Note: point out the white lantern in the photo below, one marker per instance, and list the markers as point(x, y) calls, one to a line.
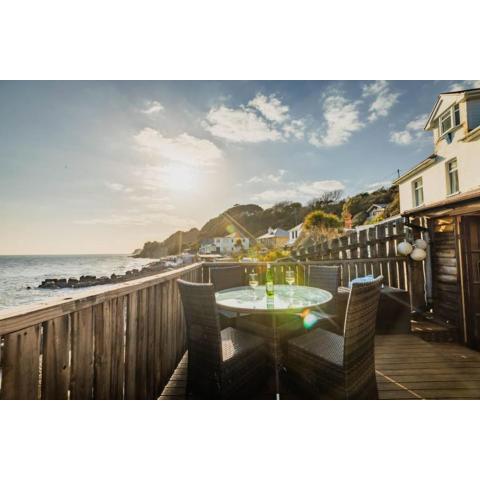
point(404, 248)
point(418, 254)
point(421, 243)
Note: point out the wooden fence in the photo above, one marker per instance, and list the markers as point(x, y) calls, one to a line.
point(369, 251)
point(123, 342)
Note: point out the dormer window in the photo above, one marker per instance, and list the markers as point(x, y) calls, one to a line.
point(449, 120)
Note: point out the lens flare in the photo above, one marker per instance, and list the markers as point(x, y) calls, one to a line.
point(309, 319)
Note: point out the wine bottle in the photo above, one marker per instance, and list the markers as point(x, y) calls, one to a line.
point(269, 281)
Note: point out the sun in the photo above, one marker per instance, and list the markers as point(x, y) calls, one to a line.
point(180, 178)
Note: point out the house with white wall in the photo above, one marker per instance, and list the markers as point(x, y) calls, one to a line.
point(375, 210)
point(225, 245)
point(294, 233)
point(442, 195)
point(454, 166)
point(274, 238)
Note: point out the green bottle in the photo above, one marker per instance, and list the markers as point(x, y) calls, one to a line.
point(269, 281)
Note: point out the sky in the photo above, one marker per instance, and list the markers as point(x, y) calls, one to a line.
point(102, 167)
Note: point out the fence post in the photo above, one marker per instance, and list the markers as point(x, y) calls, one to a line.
point(416, 279)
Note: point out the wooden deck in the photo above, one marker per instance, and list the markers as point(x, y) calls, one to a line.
point(408, 368)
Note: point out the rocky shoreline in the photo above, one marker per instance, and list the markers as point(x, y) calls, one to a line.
point(92, 280)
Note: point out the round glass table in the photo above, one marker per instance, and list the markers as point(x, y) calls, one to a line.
point(286, 300)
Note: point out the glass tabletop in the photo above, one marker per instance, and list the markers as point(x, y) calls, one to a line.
point(286, 298)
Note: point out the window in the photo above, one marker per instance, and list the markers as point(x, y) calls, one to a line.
point(456, 115)
point(449, 119)
point(417, 189)
point(452, 177)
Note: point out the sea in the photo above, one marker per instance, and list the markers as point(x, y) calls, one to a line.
point(17, 272)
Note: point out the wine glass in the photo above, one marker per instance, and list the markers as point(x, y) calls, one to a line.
point(290, 279)
point(253, 282)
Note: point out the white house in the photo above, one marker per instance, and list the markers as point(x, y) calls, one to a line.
point(454, 166)
point(225, 245)
point(274, 238)
point(375, 210)
point(294, 233)
point(443, 193)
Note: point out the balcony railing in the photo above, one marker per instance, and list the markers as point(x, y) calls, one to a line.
point(123, 342)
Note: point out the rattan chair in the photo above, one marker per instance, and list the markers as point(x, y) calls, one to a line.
point(221, 363)
point(327, 278)
point(223, 278)
point(336, 366)
point(324, 277)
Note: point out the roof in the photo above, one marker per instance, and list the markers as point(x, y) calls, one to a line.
point(277, 232)
point(419, 167)
point(462, 91)
point(445, 206)
point(438, 101)
point(234, 235)
point(376, 205)
point(296, 227)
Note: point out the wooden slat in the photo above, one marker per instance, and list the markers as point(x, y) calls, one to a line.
point(142, 332)
point(56, 362)
point(159, 381)
point(103, 350)
point(117, 377)
point(81, 378)
point(131, 347)
point(20, 359)
point(150, 365)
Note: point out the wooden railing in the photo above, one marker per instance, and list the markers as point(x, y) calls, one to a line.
point(122, 342)
point(394, 271)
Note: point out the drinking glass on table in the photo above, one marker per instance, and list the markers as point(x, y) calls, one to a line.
point(290, 278)
point(253, 282)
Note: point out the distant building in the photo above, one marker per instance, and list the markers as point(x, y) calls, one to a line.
point(274, 238)
point(225, 245)
point(375, 210)
point(294, 233)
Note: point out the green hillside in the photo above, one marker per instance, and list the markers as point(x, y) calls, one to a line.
point(252, 220)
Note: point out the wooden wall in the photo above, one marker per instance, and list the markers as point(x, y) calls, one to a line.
point(445, 272)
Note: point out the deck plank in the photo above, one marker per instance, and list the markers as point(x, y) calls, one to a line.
point(407, 368)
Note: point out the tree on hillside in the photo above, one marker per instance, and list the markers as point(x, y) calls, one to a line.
point(326, 200)
point(321, 225)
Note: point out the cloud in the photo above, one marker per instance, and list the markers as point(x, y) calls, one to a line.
point(269, 178)
point(153, 107)
point(412, 133)
point(239, 125)
point(383, 98)
point(151, 202)
point(295, 129)
point(270, 107)
point(297, 191)
point(263, 119)
point(118, 187)
point(184, 148)
point(341, 120)
point(464, 85)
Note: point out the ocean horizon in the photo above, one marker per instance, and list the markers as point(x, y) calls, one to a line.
point(18, 272)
